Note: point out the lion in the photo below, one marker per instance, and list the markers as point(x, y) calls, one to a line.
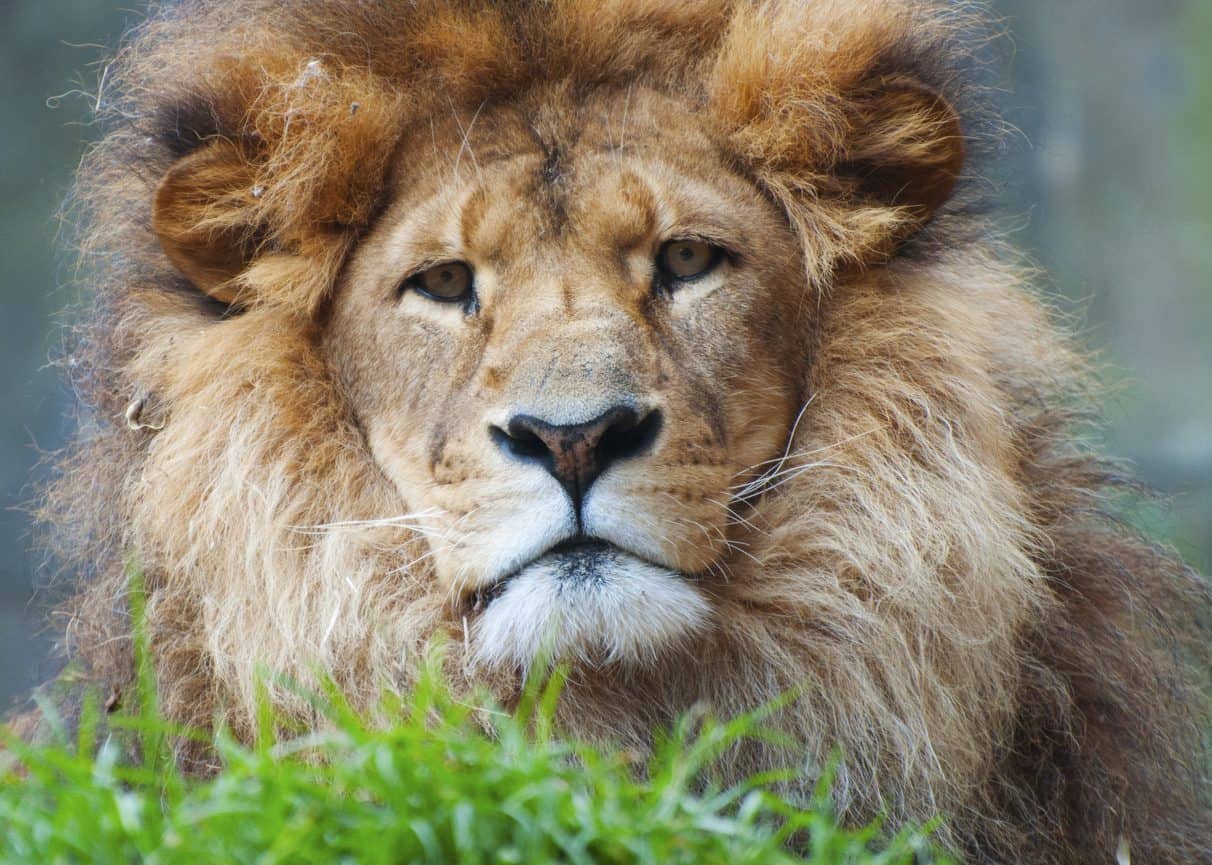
point(663, 340)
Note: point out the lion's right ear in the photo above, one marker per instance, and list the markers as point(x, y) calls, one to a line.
point(201, 215)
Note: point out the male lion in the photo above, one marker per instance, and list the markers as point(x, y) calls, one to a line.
point(660, 336)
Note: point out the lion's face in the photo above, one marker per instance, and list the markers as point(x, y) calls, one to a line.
point(567, 344)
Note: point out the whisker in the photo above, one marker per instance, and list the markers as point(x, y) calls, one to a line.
point(428, 554)
point(795, 473)
point(466, 143)
point(339, 524)
point(760, 484)
point(735, 518)
point(626, 106)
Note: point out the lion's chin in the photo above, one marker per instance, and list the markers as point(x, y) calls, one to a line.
point(592, 604)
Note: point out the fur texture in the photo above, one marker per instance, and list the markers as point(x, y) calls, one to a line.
point(916, 540)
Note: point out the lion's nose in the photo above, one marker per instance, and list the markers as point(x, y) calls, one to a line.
point(576, 454)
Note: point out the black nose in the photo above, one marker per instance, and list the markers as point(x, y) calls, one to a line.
point(576, 454)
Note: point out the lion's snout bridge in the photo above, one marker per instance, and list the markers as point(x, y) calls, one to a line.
point(577, 454)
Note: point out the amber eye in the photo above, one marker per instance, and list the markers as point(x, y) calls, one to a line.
point(451, 282)
point(688, 259)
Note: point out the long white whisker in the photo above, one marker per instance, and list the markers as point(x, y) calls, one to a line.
point(408, 520)
point(409, 565)
point(465, 146)
point(763, 483)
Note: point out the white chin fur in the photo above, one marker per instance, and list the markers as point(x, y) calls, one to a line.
point(630, 613)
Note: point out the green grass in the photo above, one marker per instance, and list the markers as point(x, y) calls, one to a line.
point(448, 783)
point(436, 788)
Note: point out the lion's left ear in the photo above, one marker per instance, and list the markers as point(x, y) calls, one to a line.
point(275, 162)
point(200, 215)
point(905, 150)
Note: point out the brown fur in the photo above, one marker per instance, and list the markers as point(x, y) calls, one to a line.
point(933, 565)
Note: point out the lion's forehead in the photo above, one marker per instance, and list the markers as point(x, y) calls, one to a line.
point(558, 182)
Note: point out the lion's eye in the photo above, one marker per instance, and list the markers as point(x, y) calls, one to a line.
point(688, 259)
point(448, 283)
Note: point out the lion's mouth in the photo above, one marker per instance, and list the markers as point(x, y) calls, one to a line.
point(580, 546)
point(589, 600)
point(577, 561)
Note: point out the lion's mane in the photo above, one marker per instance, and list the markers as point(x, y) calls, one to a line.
point(971, 629)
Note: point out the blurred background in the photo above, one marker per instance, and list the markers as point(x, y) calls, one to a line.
point(1108, 184)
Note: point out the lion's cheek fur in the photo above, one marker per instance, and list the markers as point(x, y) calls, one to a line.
point(247, 570)
point(897, 580)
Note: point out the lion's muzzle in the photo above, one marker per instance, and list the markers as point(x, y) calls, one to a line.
point(589, 601)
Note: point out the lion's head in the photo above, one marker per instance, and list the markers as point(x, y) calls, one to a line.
point(658, 337)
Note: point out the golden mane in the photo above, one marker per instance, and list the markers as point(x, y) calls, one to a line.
point(1040, 706)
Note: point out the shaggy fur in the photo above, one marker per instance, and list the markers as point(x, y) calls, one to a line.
point(928, 556)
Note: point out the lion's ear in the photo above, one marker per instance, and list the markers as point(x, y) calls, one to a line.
point(200, 214)
point(906, 150)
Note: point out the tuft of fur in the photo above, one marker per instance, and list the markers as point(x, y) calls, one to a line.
point(967, 625)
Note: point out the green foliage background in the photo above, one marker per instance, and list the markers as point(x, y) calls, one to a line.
point(1109, 186)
